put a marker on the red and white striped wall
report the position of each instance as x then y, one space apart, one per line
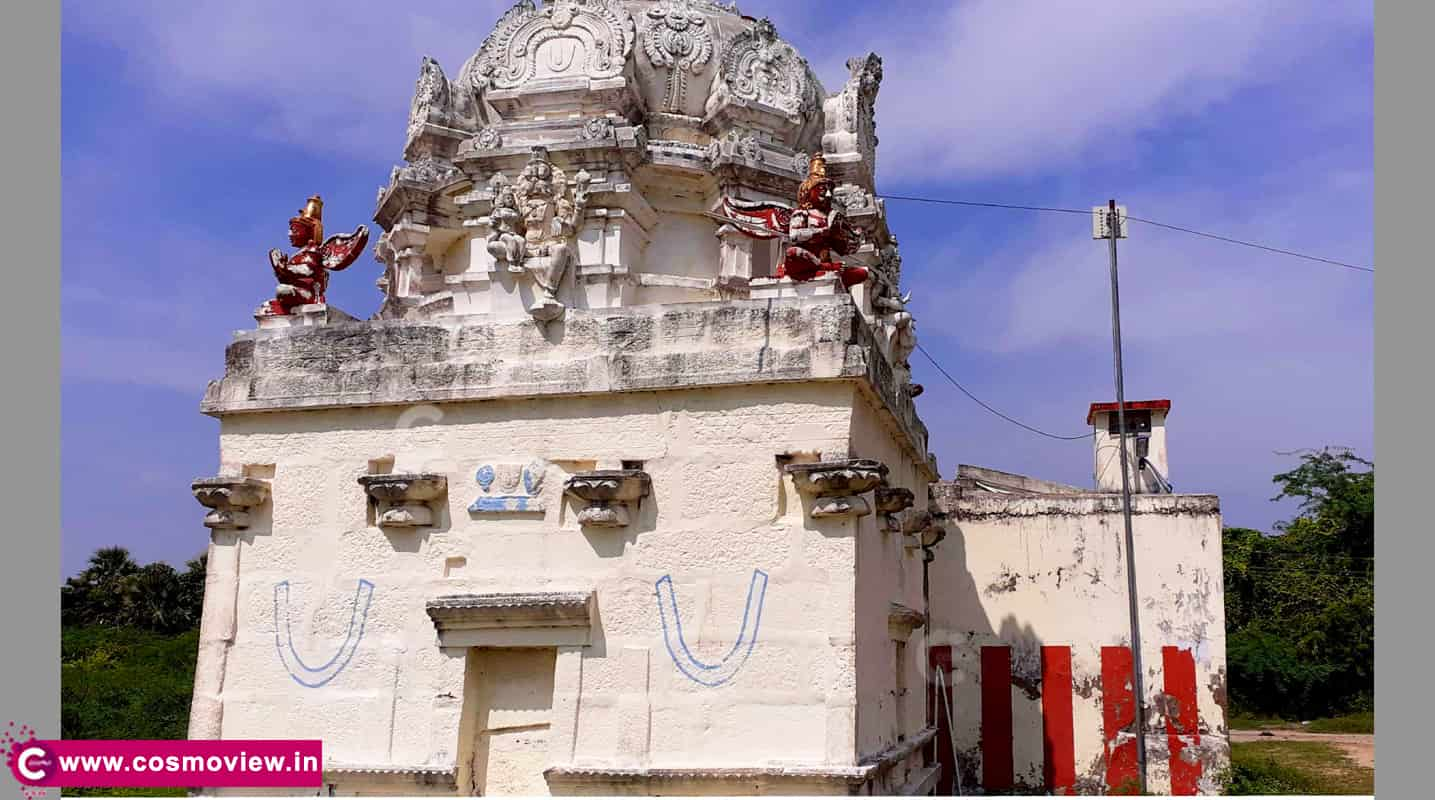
996 737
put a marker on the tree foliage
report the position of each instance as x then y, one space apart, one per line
114 591
1300 603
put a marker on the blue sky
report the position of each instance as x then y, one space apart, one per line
191 131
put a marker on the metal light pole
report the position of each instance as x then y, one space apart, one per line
1114 229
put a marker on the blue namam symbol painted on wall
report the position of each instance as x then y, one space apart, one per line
302 673
700 671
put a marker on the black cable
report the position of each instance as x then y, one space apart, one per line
993 410
1250 244
984 205
1168 226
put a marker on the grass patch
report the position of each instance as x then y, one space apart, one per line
1254 722
1296 768
124 683
1360 722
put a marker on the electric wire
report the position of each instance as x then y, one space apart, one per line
978 401
1167 225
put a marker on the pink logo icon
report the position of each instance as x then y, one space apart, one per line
29 760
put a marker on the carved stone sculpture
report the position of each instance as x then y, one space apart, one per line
505 243
678 38
545 206
304 276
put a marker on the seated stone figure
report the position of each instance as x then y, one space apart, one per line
818 236
304 276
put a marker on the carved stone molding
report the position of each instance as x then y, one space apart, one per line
513 619
838 485
608 494
597 129
679 39
229 500
850 138
901 621
440 115
759 67
404 498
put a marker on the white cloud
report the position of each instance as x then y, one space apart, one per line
332 77
988 87
1003 87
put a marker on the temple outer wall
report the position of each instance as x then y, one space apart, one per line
1034 571
720 509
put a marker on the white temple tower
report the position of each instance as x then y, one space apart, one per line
597 502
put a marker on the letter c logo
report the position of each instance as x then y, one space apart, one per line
42 759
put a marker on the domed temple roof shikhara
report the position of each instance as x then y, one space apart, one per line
673 111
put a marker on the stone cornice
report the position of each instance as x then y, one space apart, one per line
512 610
593 351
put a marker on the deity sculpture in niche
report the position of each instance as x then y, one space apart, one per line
304 277
545 207
505 243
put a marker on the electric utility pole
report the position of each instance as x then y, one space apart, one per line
1113 229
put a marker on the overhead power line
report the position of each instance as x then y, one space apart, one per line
1168 226
978 401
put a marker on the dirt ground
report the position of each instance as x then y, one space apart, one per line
1359 746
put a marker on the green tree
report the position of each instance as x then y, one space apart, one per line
1300 604
115 591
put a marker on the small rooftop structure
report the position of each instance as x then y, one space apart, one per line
1145 448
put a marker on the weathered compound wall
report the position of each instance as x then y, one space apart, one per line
1030 614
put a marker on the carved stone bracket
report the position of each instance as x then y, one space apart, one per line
229 500
892 501
404 498
921 529
901 621
838 485
608 494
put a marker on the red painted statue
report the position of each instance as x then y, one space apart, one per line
816 235
304 276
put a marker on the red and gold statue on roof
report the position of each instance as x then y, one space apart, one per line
304 276
816 234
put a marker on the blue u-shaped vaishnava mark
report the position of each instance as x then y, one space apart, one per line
724 670
314 677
